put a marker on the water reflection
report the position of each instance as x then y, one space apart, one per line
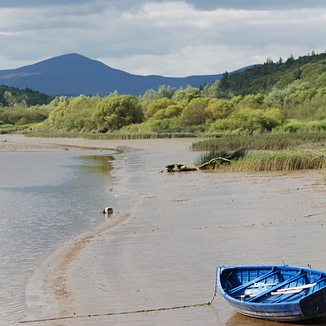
238 319
46 198
100 163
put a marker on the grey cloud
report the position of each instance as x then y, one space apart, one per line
120 4
199 4
174 39
257 4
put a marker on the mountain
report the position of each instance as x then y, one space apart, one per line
74 74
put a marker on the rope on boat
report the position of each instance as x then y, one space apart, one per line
119 313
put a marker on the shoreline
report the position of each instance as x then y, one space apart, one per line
50 290
171 233
18 142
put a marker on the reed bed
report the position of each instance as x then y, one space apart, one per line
268 142
279 161
128 136
226 157
311 126
107 136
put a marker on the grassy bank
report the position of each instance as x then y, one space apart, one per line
270 152
270 142
281 161
288 160
107 136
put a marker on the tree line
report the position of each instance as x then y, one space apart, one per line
297 91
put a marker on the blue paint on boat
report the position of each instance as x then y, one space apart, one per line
279 293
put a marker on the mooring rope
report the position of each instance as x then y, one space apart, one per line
120 313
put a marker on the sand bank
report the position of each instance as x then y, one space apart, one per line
159 250
21 143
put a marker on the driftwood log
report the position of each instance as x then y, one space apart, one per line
184 168
180 168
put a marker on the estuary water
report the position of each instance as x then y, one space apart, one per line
46 198
153 262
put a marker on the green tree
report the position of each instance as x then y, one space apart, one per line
280 97
157 105
113 94
159 115
166 91
248 119
274 117
151 94
252 101
173 110
224 80
115 112
215 91
10 99
187 94
219 109
73 114
194 113
290 60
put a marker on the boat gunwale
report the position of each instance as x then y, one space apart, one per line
244 267
277 311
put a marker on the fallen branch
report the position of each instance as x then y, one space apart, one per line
213 161
184 168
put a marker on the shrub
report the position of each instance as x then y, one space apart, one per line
194 113
116 112
250 120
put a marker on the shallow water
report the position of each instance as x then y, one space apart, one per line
46 198
181 227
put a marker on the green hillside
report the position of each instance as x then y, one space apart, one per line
274 96
262 78
27 97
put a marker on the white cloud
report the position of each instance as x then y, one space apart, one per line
163 38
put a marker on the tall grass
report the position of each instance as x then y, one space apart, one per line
272 142
225 157
107 136
312 126
280 161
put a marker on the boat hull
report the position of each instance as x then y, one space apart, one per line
306 301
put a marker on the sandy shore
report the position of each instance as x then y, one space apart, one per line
53 295
18 143
9 143
153 262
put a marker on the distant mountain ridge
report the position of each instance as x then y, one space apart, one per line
74 74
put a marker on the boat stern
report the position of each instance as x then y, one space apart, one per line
314 305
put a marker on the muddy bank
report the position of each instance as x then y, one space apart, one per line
19 143
22 143
156 266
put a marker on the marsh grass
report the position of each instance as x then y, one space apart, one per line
268 142
229 155
280 161
107 136
312 126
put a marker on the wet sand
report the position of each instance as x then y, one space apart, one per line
18 143
153 262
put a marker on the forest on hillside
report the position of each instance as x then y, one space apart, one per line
283 95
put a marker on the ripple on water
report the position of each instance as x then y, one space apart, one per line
45 198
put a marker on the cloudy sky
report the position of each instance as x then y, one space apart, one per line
169 38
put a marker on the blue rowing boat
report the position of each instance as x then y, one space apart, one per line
279 293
